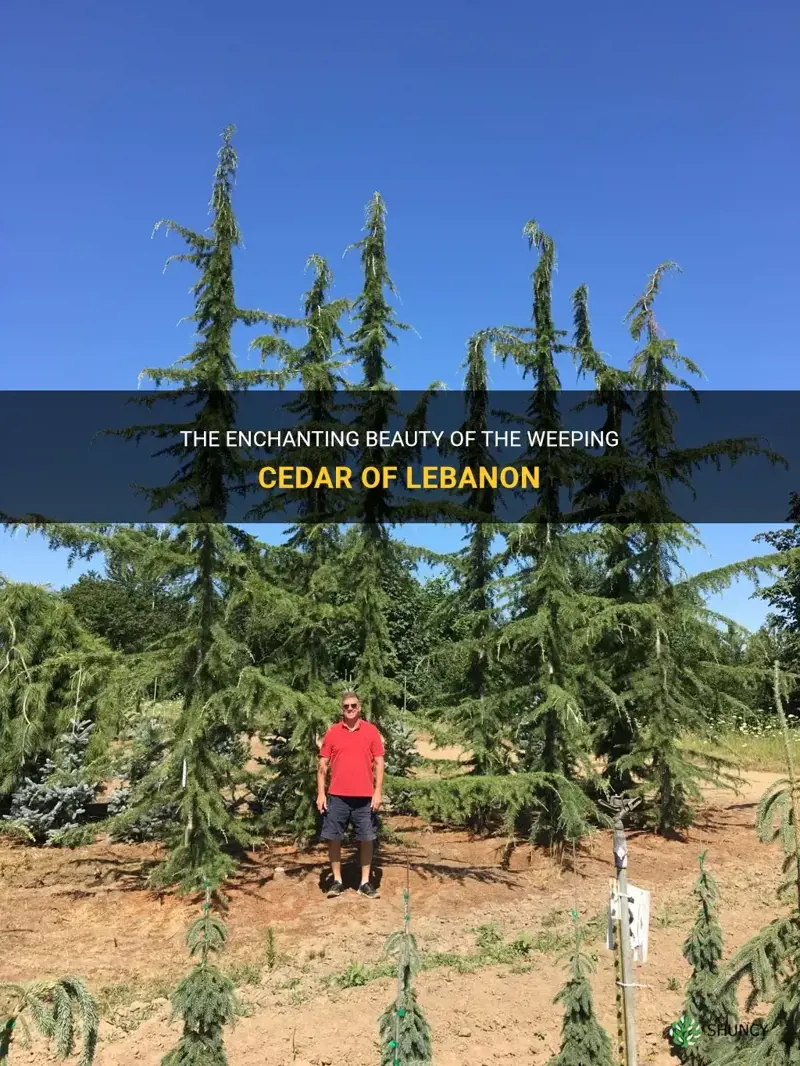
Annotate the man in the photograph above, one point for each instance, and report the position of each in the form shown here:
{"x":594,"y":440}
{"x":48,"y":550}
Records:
{"x":353,"y":749}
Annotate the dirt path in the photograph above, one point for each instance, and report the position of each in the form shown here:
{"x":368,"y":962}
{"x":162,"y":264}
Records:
{"x":85,"y":912}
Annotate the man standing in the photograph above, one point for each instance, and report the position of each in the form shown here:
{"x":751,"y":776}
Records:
{"x":353,"y":749}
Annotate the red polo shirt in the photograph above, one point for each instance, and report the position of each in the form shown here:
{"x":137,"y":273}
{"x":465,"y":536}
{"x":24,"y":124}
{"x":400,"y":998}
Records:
{"x":352,"y":754}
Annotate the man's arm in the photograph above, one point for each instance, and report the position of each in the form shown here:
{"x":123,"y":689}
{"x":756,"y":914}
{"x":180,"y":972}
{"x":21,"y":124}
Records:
{"x":377,"y":795}
{"x":322,"y":776}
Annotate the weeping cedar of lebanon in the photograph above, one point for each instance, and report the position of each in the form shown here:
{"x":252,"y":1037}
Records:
{"x":369,"y":555}
{"x":713,"y":1008}
{"x":221,"y":686}
{"x":303,"y":620}
{"x":205,"y":998}
{"x":532,"y":723}
{"x":584,"y":1042}
{"x":668,"y":676}
{"x":549,"y":675}
{"x":404,"y":1031}
{"x":599,"y":500}
{"x":366,"y":552}
{"x":60,"y":1010}
{"x":473,"y":707}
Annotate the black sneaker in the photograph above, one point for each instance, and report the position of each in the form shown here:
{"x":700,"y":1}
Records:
{"x":368,"y":891}
{"x":336,"y":889}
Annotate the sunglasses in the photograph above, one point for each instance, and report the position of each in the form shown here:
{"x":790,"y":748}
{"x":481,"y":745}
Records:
{"x":350,"y":706}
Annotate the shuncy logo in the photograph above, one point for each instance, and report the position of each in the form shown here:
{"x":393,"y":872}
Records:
{"x":685,"y":1032}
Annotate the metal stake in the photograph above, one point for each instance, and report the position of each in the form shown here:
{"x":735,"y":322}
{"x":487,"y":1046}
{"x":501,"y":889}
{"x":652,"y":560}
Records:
{"x":621,"y":806}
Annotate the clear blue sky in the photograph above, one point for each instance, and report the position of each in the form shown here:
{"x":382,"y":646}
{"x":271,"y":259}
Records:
{"x":632,"y":133}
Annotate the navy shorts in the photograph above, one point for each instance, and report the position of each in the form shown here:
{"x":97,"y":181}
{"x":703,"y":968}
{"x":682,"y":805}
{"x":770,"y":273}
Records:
{"x":345,"y":810}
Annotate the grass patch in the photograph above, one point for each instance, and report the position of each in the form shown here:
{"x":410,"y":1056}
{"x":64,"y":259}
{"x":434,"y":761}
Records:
{"x":557,"y":935}
{"x":358,"y":974}
{"x":671,"y":916}
{"x":272,"y":957}
{"x":355,"y":975}
{"x":250,"y":971}
{"x":491,"y":949}
{"x":244,"y":973}
{"x":749,"y":750}
{"x":117,"y":997}
{"x":451,"y":960}
{"x":114,"y":1002}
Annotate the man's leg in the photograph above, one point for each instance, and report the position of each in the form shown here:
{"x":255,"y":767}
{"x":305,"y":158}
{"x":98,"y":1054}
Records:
{"x":333,"y":830}
{"x":335,"y":856}
{"x":366,"y":860}
{"x":366,"y":823}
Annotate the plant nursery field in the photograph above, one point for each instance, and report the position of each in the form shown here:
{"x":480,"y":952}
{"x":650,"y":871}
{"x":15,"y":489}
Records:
{"x":310,"y":974}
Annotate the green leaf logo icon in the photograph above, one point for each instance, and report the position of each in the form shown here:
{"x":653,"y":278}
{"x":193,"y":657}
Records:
{"x":685,"y":1032}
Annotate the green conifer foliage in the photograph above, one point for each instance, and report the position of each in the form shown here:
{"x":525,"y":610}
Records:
{"x":51,"y":670}
{"x":372,"y":311}
{"x":770,"y":961}
{"x":316,"y":366}
{"x":366,"y":552}
{"x":122,"y":606}
{"x":208,"y":659}
{"x":584,"y":1042}
{"x":710,"y":1004}
{"x":782,"y":628}
{"x":376,"y":682}
{"x":368,"y":556}
{"x":54,"y":800}
{"x":205,"y":998}
{"x":62,"y":1011}
{"x":305,"y":618}
{"x":668,"y":682}
{"x":599,"y":498}
{"x":551,"y":676}
{"x":668,"y":677}
{"x":148,"y":746}
{"x":296,"y":625}
{"x":405,"y":1034}
{"x":502,"y":801}
{"x":478,"y":713}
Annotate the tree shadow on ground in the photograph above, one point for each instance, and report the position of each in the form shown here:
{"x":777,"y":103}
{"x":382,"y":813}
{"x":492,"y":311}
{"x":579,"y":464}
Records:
{"x":126,"y":874}
{"x":130,"y":873}
{"x":386,"y":857}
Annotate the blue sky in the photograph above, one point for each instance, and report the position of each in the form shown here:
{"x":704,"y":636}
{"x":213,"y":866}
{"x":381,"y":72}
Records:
{"x":632,"y":134}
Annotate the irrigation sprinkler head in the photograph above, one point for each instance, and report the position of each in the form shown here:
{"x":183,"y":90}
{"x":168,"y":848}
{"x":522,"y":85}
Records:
{"x":621,"y":805}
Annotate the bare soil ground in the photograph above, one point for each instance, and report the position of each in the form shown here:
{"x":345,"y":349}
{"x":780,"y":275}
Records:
{"x":87,"y":913}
